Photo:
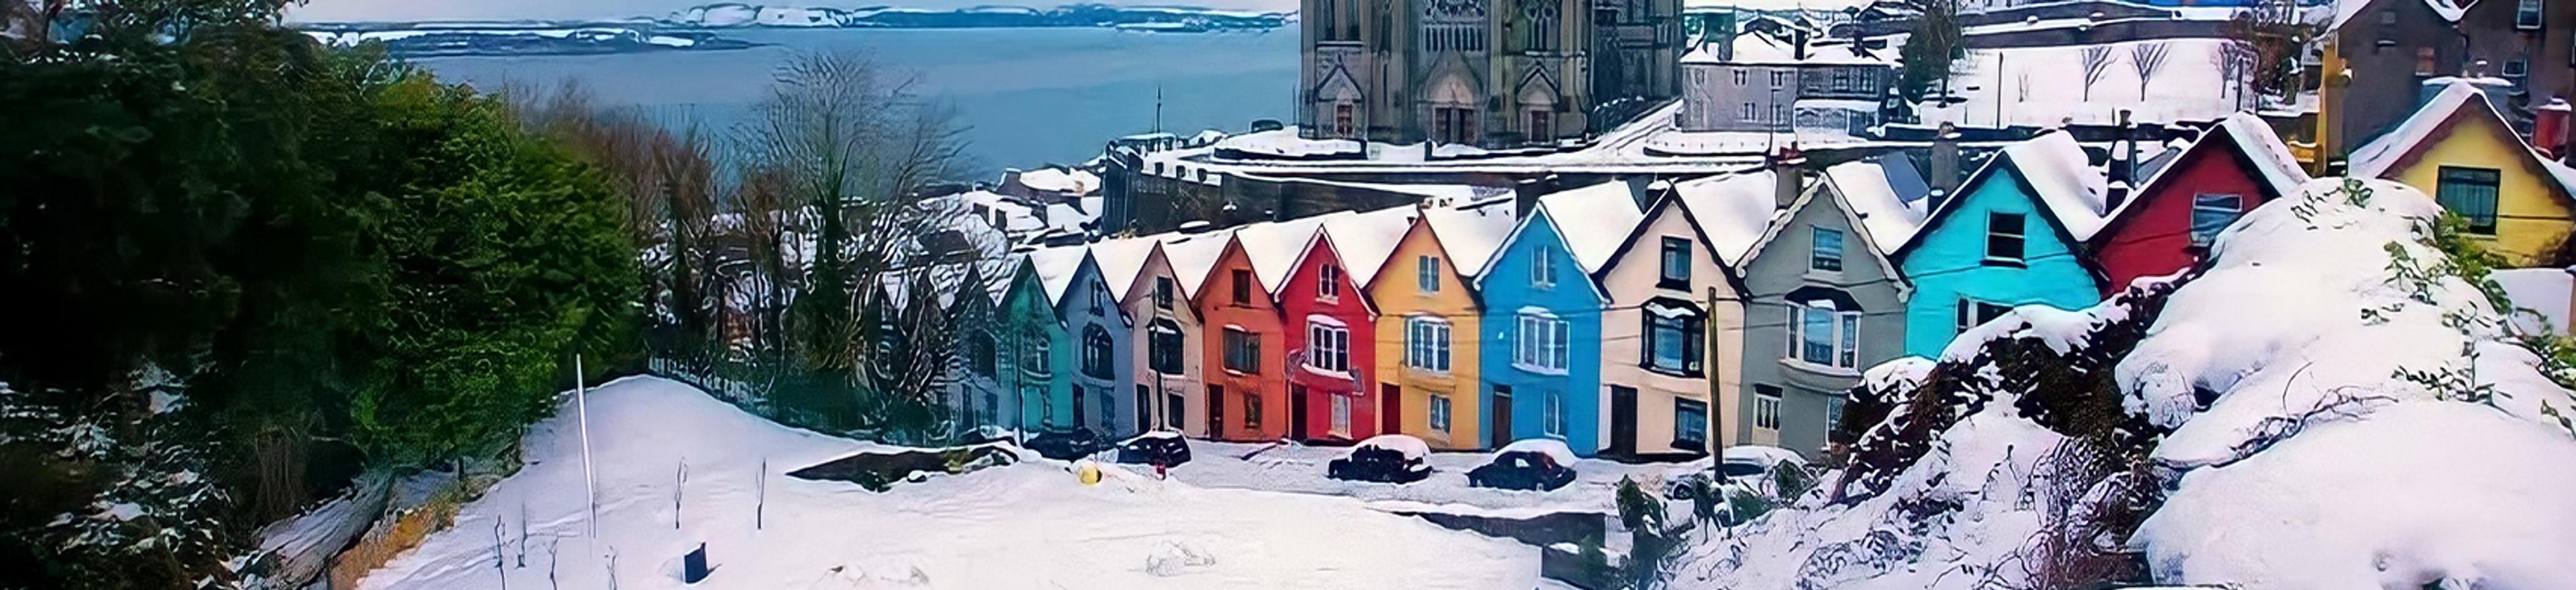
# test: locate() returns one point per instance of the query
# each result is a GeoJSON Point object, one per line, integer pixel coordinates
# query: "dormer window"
{"type": "Point", "coordinates": [1328, 283]}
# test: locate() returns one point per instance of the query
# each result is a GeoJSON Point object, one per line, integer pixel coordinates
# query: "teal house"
{"type": "Point", "coordinates": [1541, 326]}
{"type": "Point", "coordinates": [2010, 236]}
{"type": "Point", "coordinates": [1095, 342]}
{"type": "Point", "coordinates": [1032, 349]}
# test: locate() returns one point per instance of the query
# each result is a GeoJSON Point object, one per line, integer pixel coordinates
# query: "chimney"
{"type": "Point", "coordinates": [1788, 176]}
{"type": "Point", "coordinates": [2128, 149]}
{"type": "Point", "coordinates": [1525, 195]}
{"type": "Point", "coordinates": [1945, 159]}
{"type": "Point", "coordinates": [2118, 193]}
{"type": "Point", "coordinates": [2549, 128]}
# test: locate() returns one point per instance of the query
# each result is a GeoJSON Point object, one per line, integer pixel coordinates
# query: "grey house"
{"type": "Point", "coordinates": [1756, 82]}
{"type": "Point", "coordinates": [1822, 302]}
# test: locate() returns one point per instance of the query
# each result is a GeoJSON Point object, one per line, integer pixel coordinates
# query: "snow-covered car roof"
{"type": "Point", "coordinates": [1412, 448]}
{"type": "Point", "coordinates": [1553, 448]}
{"type": "Point", "coordinates": [1764, 455]}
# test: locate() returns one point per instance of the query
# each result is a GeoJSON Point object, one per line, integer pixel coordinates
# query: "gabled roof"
{"type": "Point", "coordinates": [2242, 136]}
{"type": "Point", "coordinates": [2458, 101]}
{"type": "Point", "coordinates": [1121, 260]}
{"type": "Point", "coordinates": [1194, 256]}
{"type": "Point", "coordinates": [1868, 205]}
{"type": "Point", "coordinates": [1471, 234]}
{"type": "Point", "coordinates": [1593, 222]}
{"type": "Point", "coordinates": [1275, 246]}
{"type": "Point", "coordinates": [1731, 211]}
{"type": "Point", "coordinates": [1364, 241]}
{"type": "Point", "coordinates": [2053, 172]}
{"type": "Point", "coordinates": [1056, 268]}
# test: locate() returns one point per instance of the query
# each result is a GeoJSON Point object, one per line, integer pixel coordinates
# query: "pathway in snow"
{"type": "Point", "coordinates": [1023, 526]}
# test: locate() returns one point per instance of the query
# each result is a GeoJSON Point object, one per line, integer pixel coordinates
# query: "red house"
{"type": "Point", "coordinates": [2171, 219]}
{"type": "Point", "coordinates": [1328, 320]}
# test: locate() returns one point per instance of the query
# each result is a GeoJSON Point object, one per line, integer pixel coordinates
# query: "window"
{"type": "Point", "coordinates": [2387, 17]}
{"type": "Point", "coordinates": [1825, 250]}
{"type": "Point", "coordinates": [2003, 238]}
{"type": "Point", "coordinates": [1109, 409]}
{"type": "Point", "coordinates": [2210, 214]}
{"type": "Point", "coordinates": [1766, 407]}
{"type": "Point", "coordinates": [1779, 78]}
{"type": "Point", "coordinates": [1426, 344]}
{"type": "Point", "coordinates": [1163, 346]}
{"type": "Point", "coordinates": [1426, 274]}
{"type": "Point", "coordinates": [1541, 126]}
{"type": "Point", "coordinates": [1174, 407]}
{"type": "Point", "coordinates": [1242, 286]}
{"type": "Point", "coordinates": [1554, 422]}
{"type": "Point", "coordinates": [1034, 359]}
{"type": "Point", "coordinates": [1328, 347]}
{"type": "Point", "coordinates": [1542, 31]}
{"type": "Point", "coordinates": [1543, 266]}
{"type": "Point", "coordinates": [1440, 413]}
{"type": "Point", "coordinates": [1252, 410]}
{"type": "Point", "coordinates": [2426, 64]}
{"type": "Point", "coordinates": [1453, 124]}
{"type": "Point", "coordinates": [1242, 351]}
{"type": "Point", "coordinates": [2526, 14]}
{"type": "Point", "coordinates": [1739, 77]}
{"type": "Point", "coordinates": [1821, 335]}
{"type": "Point", "coordinates": [1099, 298]}
{"type": "Point", "coordinates": [980, 351]}
{"type": "Point", "coordinates": [1842, 79]}
{"type": "Point", "coordinates": [1046, 411]}
{"type": "Point", "coordinates": [1973, 313]}
{"type": "Point", "coordinates": [1674, 333]}
{"type": "Point", "coordinates": [1344, 114]}
{"type": "Point", "coordinates": [1328, 283]}
{"type": "Point", "coordinates": [1341, 415]}
{"type": "Point", "coordinates": [2517, 69]}
{"type": "Point", "coordinates": [1095, 352]}
{"type": "Point", "coordinates": [1752, 112]}
{"type": "Point", "coordinates": [1690, 423]}
{"type": "Point", "coordinates": [1779, 113]}
{"type": "Point", "coordinates": [1542, 342]}
{"type": "Point", "coordinates": [1677, 263]}
{"type": "Point", "coordinates": [2470, 192]}
{"type": "Point", "coordinates": [1163, 292]}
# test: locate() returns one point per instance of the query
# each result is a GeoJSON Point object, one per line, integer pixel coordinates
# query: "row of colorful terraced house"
{"type": "Point", "coordinates": [1663, 317]}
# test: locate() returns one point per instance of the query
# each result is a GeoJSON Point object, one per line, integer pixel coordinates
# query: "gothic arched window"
{"type": "Point", "coordinates": [1541, 15]}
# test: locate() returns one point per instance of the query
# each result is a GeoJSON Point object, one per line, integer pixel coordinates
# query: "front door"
{"type": "Point", "coordinates": [1175, 410]}
{"type": "Point", "coordinates": [1502, 415]}
{"type": "Point", "coordinates": [1145, 409]}
{"type": "Point", "coordinates": [1297, 413]}
{"type": "Point", "coordinates": [1623, 420]}
{"type": "Point", "coordinates": [1390, 415]}
{"type": "Point", "coordinates": [1079, 398]}
{"type": "Point", "coordinates": [1216, 411]}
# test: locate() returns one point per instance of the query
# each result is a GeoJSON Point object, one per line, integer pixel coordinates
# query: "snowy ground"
{"type": "Point", "coordinates": [1030, 525]}
{"type": "Point", "coordinates": [1298, 468]}
{"type": "Point", "coordinates": [2045, 86]}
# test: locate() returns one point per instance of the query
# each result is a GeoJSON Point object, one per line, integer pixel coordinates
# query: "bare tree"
{"type": "Point", "coordinates": [2097, 64]}
{"type": "Point", "coordinates": [2272, 36]}
{"type": "Point", "coordinates": [2147, 59]}
{"type": "Point", "coordinates": [2235, 63]}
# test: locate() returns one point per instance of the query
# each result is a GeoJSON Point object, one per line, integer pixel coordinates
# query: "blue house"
{"type": "Point", "coordinates": [2010, 237]}
{"type": "Point", "coordinates": [1542, 317]}
{"type": "Point", "coordinates": [1093, 388]}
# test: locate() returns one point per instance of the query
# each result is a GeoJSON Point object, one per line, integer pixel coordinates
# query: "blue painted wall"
{"type": "Point", "coordinates": [1044, 401]}
{"type": "Point", "coordinates": [1086, 305]}
{"type": "Point", "coordinates": [1948, 263]}
{"type": "Point", "coordinates": [1506, 291]}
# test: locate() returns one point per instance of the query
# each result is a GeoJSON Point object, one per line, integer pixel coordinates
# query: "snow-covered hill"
{"type": "Point", "coordinates": [2330, 404]}
{"type": "Point", "coordinates": [1030, 525]}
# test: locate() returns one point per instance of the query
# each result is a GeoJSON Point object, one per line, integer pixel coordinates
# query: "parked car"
{"type": "Point", "coordinates": [1161, 447]}
{"type": "Point", "coordinates": [1066, 445]}
{"type": "Point", "coordinates": [1737, 467]}
{"type": "Point", "coordinates": [1532, 464]}
{"type": "Point", "coordinates": [1387, 458]}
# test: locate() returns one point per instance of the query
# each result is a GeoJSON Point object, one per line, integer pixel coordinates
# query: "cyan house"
{"type": "Point", "coordinates": [1542, 317]}
{"type": "Point", "coordinates": [2010, 236]}
{"type": "Point", "coordinates": [1031, 350]}
{"type": "Point", "coordinates": [1097, 329]}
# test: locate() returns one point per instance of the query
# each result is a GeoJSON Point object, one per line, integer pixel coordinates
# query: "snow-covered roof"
{"type": "Point", "coordinates": [1734, 210]}
{"type": "Point", "coordinates": [1592, 220]}
{"type": "Point", "coordinates": [2272, 161]}
{"type": "Point", "coordinates": [1759, 49]}
{"type": "Point", "coordinates": [2458, 98]}
{"type": "Point", "coordinates": [1056, 267]}
{"type": "Point", "coordinates": [1365, 240]}
{"type": "Point", "coordinates": [1869, 192]}
{"type": "Point", "coordinates": [1275, 246]}
{"type": "Point", "coordinates": [1120, 260]}
{"type": "Point", "coordinates": [1193, 255]}
{"type": "Point", "coordinates": [1066, 217]}
{"type": "Point", "coordinates": [1471, 234]}
{"type": "Point", "coordinates": [2543, 291]}
{"type": "Point", "coordinates": [1061, 180]}
{"type": "Point", "coordinates": [1285, 142]}
{"type": "Point", "coordinates": [1554, 449]}
{"type": "Point", "coordinates": [2067, 186]}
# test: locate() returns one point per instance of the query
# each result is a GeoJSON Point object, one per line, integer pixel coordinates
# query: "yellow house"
{"type": "Point", "coordinates": [2460, 150]}
{"type": "Point", "coordinates": [1427, 321]}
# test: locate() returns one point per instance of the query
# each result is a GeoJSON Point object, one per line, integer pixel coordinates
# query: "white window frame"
{"type": "Point", "coordinates": [1816, 258]}
{"type": "Point", "coordinates": [1842, 336]}
{"type": "Point", "coordinates": [1426, 274]}
{"type": "Point", "coordinates": [1766, 411]}
{"type": "Point", "coordinates": [1553, 419]}
{"type": "Point", "coordinates": [1543, 267]}
{"type": "Point", "coordinates": [1439, 407]}
{"type": "Point", "coordinates": [1426, 343]}
{"type": "Point", "coordinates": [1541, 341]}
{"type": "Point", "coordinates": [2529, 7]}
{"type": "Point", "coordinates": [1328, 341]}
{"type": "Point", "coordinates": [1328, 283]}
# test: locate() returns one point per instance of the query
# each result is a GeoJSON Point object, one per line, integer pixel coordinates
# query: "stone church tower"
{"type": "Point", "coordinates": [1489, 73]}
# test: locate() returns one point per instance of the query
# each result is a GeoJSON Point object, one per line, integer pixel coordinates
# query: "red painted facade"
{"type": "Point", "coordinates": [1304, 303]}
{"type": "Point", "coordinates": [2152, 236]}
{"type": "Point", "coordinates": [1250, 404]}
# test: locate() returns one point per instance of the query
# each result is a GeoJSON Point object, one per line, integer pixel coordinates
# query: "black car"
{"type": "Point", "coordinates": [1379, 464]}
{"type": "Point", "coordinates": [1167, 449]}
{"type": "Point", "coordinates": [1066, 445]}
{"type": "Point", "coordinates": [1521, 470]}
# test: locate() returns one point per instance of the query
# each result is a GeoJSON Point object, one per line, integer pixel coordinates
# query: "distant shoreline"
{"type": "Point", "coordinates": [703, 28]}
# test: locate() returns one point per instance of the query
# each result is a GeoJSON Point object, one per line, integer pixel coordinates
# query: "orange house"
{"type": "Point", "coordinates": [1246, 395]}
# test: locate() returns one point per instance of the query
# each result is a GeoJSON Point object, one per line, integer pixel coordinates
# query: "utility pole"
{"type": "Point", "coordinates": [1158, 108]}
{"type": "Point", "coordinates": [1717, 437]}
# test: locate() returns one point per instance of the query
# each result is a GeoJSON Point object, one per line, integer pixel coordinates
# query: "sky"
{"type": "Point", "coordinates": [424, 10]}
